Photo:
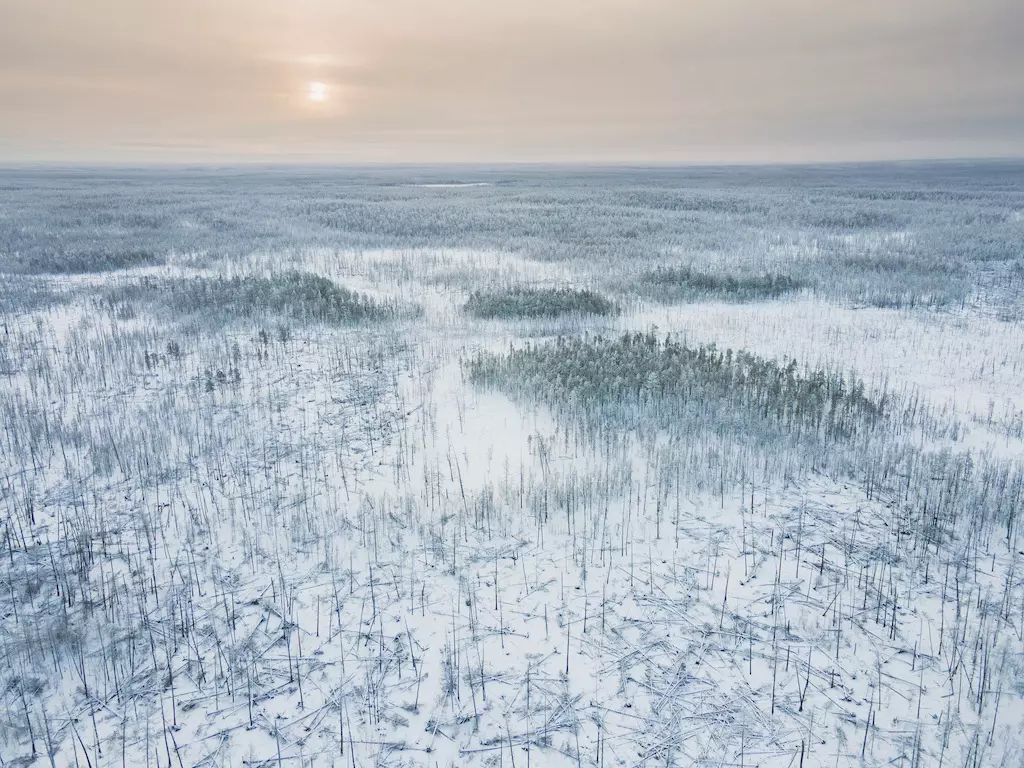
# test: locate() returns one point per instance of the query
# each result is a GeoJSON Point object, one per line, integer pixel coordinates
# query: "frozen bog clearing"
{"type": "Point", "coordinates": [517, 468]}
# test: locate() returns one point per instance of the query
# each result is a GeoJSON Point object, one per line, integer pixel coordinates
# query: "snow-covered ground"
{"type": "Point", "coordinates": [326, 546]}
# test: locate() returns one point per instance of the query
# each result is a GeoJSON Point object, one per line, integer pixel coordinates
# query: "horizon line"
{"type": "Point", "coordinates": [269, 164]}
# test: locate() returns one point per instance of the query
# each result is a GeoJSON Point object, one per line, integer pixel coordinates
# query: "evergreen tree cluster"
{"type": "Point", "coordinates": [301, 296]}
{"type": "Point", "coordinates": [682, 282]}
{"type": "Point", "coordinates": [537, 302]}
{"type": "Point", "coordinates": [23, 293]}
{"type": "Point", "coordinates": [644, 367]}
{"type": "Point", "coordinates": [72, 261]}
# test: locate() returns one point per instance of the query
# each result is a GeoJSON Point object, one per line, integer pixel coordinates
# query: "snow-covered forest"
{"type": "Point", "coordinates": [517, 467]}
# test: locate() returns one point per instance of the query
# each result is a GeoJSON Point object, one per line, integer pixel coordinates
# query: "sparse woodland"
{"type": "Point", "coordinates": [589, 468]}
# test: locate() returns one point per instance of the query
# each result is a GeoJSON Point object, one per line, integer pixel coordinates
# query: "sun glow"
{"type": "Point", "coordinates": [317, 91]}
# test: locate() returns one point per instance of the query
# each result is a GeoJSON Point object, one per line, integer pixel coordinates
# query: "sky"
{"type": "Point", "coordinates": [648, 81]}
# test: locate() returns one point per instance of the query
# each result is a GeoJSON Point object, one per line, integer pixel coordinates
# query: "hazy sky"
{"type": "Point", "coordinates": [509, 80]}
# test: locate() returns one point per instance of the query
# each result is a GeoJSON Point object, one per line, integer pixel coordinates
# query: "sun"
{"type": "Point", "coordinates": [317, 91]}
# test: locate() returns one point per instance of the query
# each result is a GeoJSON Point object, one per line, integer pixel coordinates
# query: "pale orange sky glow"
{"type": "Point", "coordinates": [534, 80]}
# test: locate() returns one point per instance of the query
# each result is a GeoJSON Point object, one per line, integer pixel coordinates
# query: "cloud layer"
{"type": "Point", "coordinates": [547, 80]}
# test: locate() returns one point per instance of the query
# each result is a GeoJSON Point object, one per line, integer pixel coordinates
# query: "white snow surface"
{"type": "Point", "coordinates": [351, 556]}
